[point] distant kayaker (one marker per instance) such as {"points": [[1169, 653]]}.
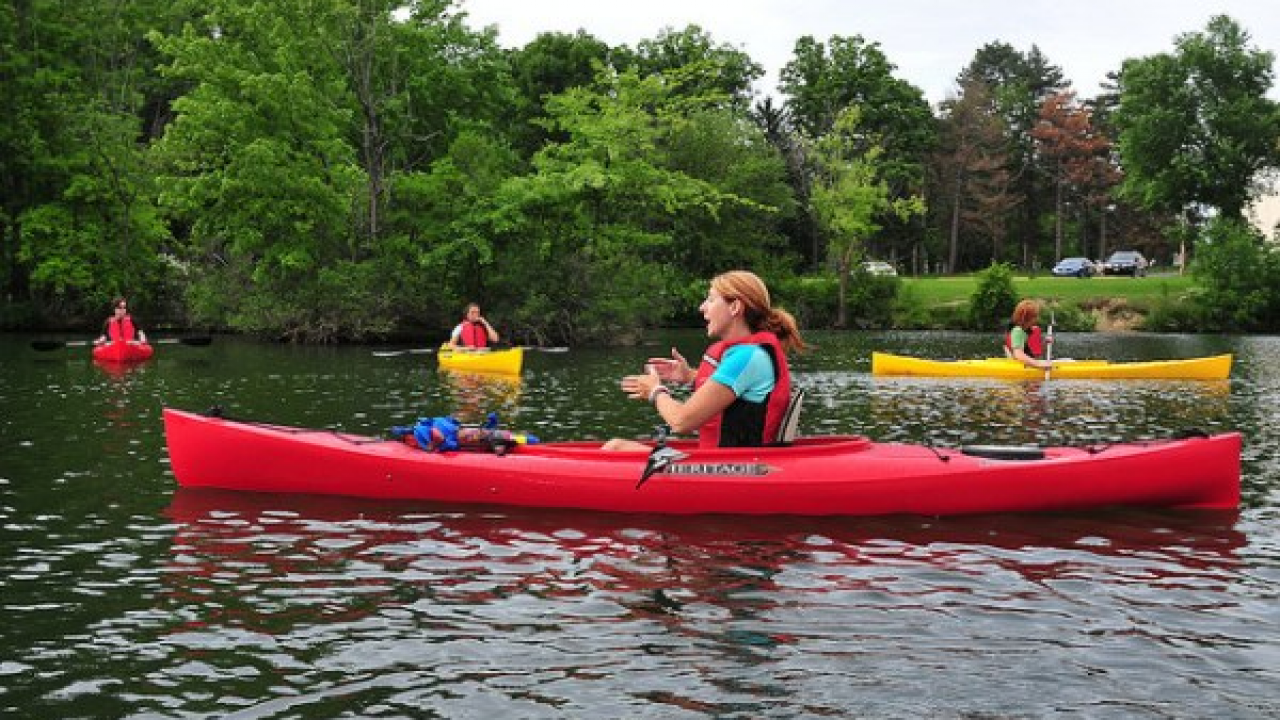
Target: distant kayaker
{"points": [[120, 326], [474, 331], [1023, 341], [742, 387]]}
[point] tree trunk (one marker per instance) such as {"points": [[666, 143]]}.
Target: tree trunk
{"points": [[841, 315], [954, 249], [1057, 220]]}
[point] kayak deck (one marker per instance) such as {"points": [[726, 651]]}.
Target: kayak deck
{"points": [[122, 352], [503, 361]]}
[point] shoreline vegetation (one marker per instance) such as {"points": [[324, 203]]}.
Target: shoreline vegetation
{"points": [[327, 171], [983, 301], [1099, 304]]}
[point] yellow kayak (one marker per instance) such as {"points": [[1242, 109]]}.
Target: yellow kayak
{"points": [[507, 360], [1217, 367]]}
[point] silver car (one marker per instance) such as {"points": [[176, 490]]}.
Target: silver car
{"points": [[1075, 267]]}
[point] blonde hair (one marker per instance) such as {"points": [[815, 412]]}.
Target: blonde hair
{"points": [[750, 290], [1026, 313]]}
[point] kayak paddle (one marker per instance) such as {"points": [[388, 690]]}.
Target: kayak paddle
{"points": [[1048, 351], [428, 351], [397, 353], [194, 341], [44, 345]]}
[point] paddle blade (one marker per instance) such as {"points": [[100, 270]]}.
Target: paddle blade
{"points": [[197, 341], [44, 345], [398, 353]]}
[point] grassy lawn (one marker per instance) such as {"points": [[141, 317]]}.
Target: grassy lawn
{"points": [[1139, 292]]}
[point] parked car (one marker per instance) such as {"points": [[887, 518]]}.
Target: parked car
{"points": [[1075, 267], [1125, 262], [875, 267]]}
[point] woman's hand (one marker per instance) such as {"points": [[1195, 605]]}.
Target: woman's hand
{"points": [[641, 387], [672, 369]]}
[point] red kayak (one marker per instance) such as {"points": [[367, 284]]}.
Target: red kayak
{"points": [[813, 476], [122, 352]]}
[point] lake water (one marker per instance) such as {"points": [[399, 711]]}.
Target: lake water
{"points": [[123, 596]]}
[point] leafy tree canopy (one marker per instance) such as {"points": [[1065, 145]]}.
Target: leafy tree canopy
{"points": [[1196, 126]]}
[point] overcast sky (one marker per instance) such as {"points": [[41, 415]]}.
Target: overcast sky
{"points": [[930, 41]]}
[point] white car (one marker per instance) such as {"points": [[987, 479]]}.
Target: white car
{"points": [[875, 267]]}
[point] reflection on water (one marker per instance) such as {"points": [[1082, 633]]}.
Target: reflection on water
{"points": [[476, 394], [429, 608], [119, 370]]}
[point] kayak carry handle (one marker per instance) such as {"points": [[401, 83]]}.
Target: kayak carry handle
{"points": [[1004, 452]]}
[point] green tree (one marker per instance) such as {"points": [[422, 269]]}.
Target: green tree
{"points": [[993, 301], [709, 69], [301, 119], [77, 222], [1196, 125], [592, 241], [849, 193], [823, 79], [548, 65], [259, 166], [1239, 276]]}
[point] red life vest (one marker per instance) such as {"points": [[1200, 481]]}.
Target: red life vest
{"points": [[1035, 342], [121, 330], [474, 334], [709, 434]]}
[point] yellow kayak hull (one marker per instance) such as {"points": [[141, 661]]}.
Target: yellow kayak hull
{"points": [[1217, 367], [507, 361]]}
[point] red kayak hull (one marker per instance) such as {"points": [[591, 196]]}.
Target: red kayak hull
{"points": [[814, 476], [122, 352]]}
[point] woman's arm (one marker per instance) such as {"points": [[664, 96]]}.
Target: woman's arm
{"points": [[683, 417], [686, 417], [1022, 357]]}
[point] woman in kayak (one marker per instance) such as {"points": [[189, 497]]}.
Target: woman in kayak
{"points": [[742, 387], [120, 326], [474, 331], [1023, 341]]}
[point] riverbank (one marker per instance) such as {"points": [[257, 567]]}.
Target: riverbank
{"points": [[1101, 304]]}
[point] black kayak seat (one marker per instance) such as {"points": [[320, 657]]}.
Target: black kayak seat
{"points": [[790, 425], [1004, 452]]}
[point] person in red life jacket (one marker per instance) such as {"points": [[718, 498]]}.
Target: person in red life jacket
{"points": [[120, 326], [474, 331], [742, 386], [1023, 341]]}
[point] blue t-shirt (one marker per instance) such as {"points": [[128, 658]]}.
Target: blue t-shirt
{"points": [[747, 370]]}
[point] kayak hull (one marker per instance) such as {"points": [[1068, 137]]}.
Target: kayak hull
{"points": [[507, 361], [1217, 367], [815, 476], [122, 352]]}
